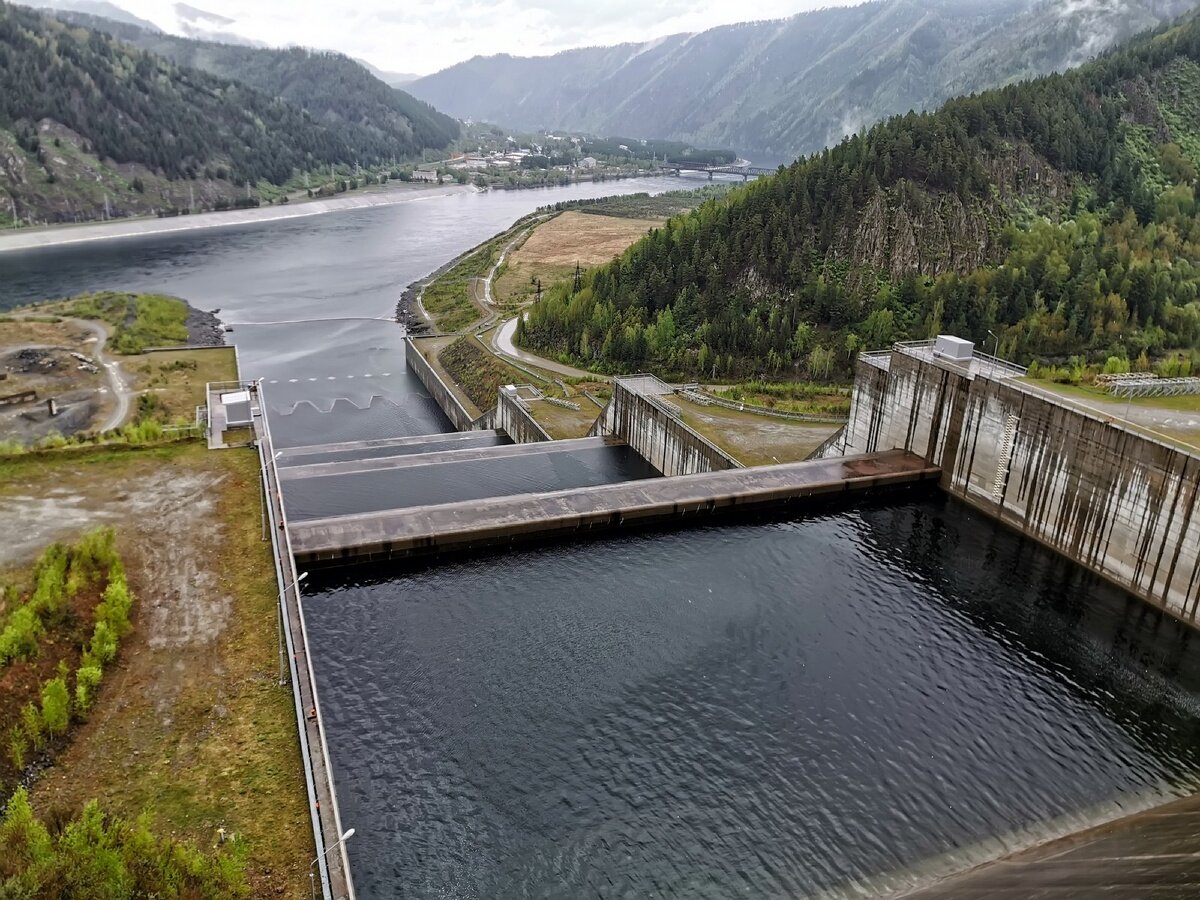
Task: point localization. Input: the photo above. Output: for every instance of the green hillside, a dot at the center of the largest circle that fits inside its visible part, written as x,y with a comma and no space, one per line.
1059,212
378,122
92,127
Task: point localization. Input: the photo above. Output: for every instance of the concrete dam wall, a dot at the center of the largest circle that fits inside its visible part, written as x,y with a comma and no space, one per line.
640,415
516,421
441,393
1115,500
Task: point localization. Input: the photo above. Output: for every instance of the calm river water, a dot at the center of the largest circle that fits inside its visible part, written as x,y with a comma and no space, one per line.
766,709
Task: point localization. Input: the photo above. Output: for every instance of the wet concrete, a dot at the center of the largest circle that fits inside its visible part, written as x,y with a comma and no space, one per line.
1155,854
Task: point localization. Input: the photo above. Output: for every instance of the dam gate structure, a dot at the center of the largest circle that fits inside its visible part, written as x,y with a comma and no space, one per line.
1115,499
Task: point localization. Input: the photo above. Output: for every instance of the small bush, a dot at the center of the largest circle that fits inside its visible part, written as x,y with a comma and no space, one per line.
31,722
87,680
18,744
56,706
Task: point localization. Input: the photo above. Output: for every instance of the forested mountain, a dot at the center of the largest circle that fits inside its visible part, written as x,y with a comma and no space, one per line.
376,120
1059,212
91,126
780,89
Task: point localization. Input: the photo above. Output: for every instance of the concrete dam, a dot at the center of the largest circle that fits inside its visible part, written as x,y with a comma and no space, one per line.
1116,500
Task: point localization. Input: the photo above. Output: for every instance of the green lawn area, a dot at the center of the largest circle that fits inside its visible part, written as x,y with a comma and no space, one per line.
138,320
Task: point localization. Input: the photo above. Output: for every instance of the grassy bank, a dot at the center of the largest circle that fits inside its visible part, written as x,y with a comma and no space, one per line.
452,298
190,725
477,372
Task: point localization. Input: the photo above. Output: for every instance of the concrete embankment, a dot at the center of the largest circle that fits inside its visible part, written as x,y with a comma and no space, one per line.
516,421
445,397
1117,501
395,534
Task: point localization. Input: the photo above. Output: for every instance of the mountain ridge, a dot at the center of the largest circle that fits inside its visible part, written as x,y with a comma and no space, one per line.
784,88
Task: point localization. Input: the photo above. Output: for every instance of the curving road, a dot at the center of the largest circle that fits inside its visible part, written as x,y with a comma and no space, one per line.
116,382
502,342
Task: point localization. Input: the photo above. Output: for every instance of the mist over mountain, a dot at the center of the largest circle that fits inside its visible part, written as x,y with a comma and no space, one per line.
784,88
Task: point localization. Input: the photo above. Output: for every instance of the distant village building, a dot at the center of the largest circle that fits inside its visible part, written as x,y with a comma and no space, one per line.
588,162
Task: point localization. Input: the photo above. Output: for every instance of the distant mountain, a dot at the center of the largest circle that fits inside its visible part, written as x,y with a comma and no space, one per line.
90,126
97,8
788,87
1059,214
377,121
395,79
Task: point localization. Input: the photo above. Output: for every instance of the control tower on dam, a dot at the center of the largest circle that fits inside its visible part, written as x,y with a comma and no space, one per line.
1117,499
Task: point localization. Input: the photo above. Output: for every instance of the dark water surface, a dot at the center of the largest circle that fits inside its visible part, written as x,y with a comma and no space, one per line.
753,710
533,471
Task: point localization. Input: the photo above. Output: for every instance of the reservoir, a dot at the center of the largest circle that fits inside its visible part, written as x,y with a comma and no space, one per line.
823,706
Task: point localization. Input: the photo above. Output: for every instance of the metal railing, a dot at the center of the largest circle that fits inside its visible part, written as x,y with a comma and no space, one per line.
289,581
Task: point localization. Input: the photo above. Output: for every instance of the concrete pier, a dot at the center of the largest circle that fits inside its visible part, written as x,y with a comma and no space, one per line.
642,414
396,534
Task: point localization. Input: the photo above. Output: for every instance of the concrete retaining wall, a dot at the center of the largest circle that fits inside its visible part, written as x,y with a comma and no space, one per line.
516,421
446,399
664,441
1114,500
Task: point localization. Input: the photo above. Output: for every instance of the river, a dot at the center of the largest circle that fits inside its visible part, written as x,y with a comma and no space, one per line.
777,708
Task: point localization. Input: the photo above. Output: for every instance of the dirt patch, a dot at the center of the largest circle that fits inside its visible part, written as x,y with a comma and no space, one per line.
191,724
53,360
554,248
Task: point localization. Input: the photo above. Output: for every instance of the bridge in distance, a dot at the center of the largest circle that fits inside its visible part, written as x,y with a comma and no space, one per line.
745,171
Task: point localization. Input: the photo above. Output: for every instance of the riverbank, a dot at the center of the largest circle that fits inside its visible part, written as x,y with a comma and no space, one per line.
54,236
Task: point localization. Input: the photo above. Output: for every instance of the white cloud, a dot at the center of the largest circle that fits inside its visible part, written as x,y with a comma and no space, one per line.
423,36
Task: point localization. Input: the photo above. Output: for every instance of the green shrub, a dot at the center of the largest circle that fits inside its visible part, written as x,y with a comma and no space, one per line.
19,639
56,705
87,679
103,646
31,722
18,743
101,856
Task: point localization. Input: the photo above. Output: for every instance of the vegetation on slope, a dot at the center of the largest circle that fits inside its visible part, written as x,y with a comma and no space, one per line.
376,121
477,372
91,126
1060,213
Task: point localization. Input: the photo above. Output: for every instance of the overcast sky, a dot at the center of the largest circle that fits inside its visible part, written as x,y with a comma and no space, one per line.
422,36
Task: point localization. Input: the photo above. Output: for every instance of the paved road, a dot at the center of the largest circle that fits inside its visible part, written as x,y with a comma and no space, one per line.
116,381
502,342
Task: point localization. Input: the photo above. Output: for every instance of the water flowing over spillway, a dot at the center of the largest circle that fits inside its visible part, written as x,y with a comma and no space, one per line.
774,708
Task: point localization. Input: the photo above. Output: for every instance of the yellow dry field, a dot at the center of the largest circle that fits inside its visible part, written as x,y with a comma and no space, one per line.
553,249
